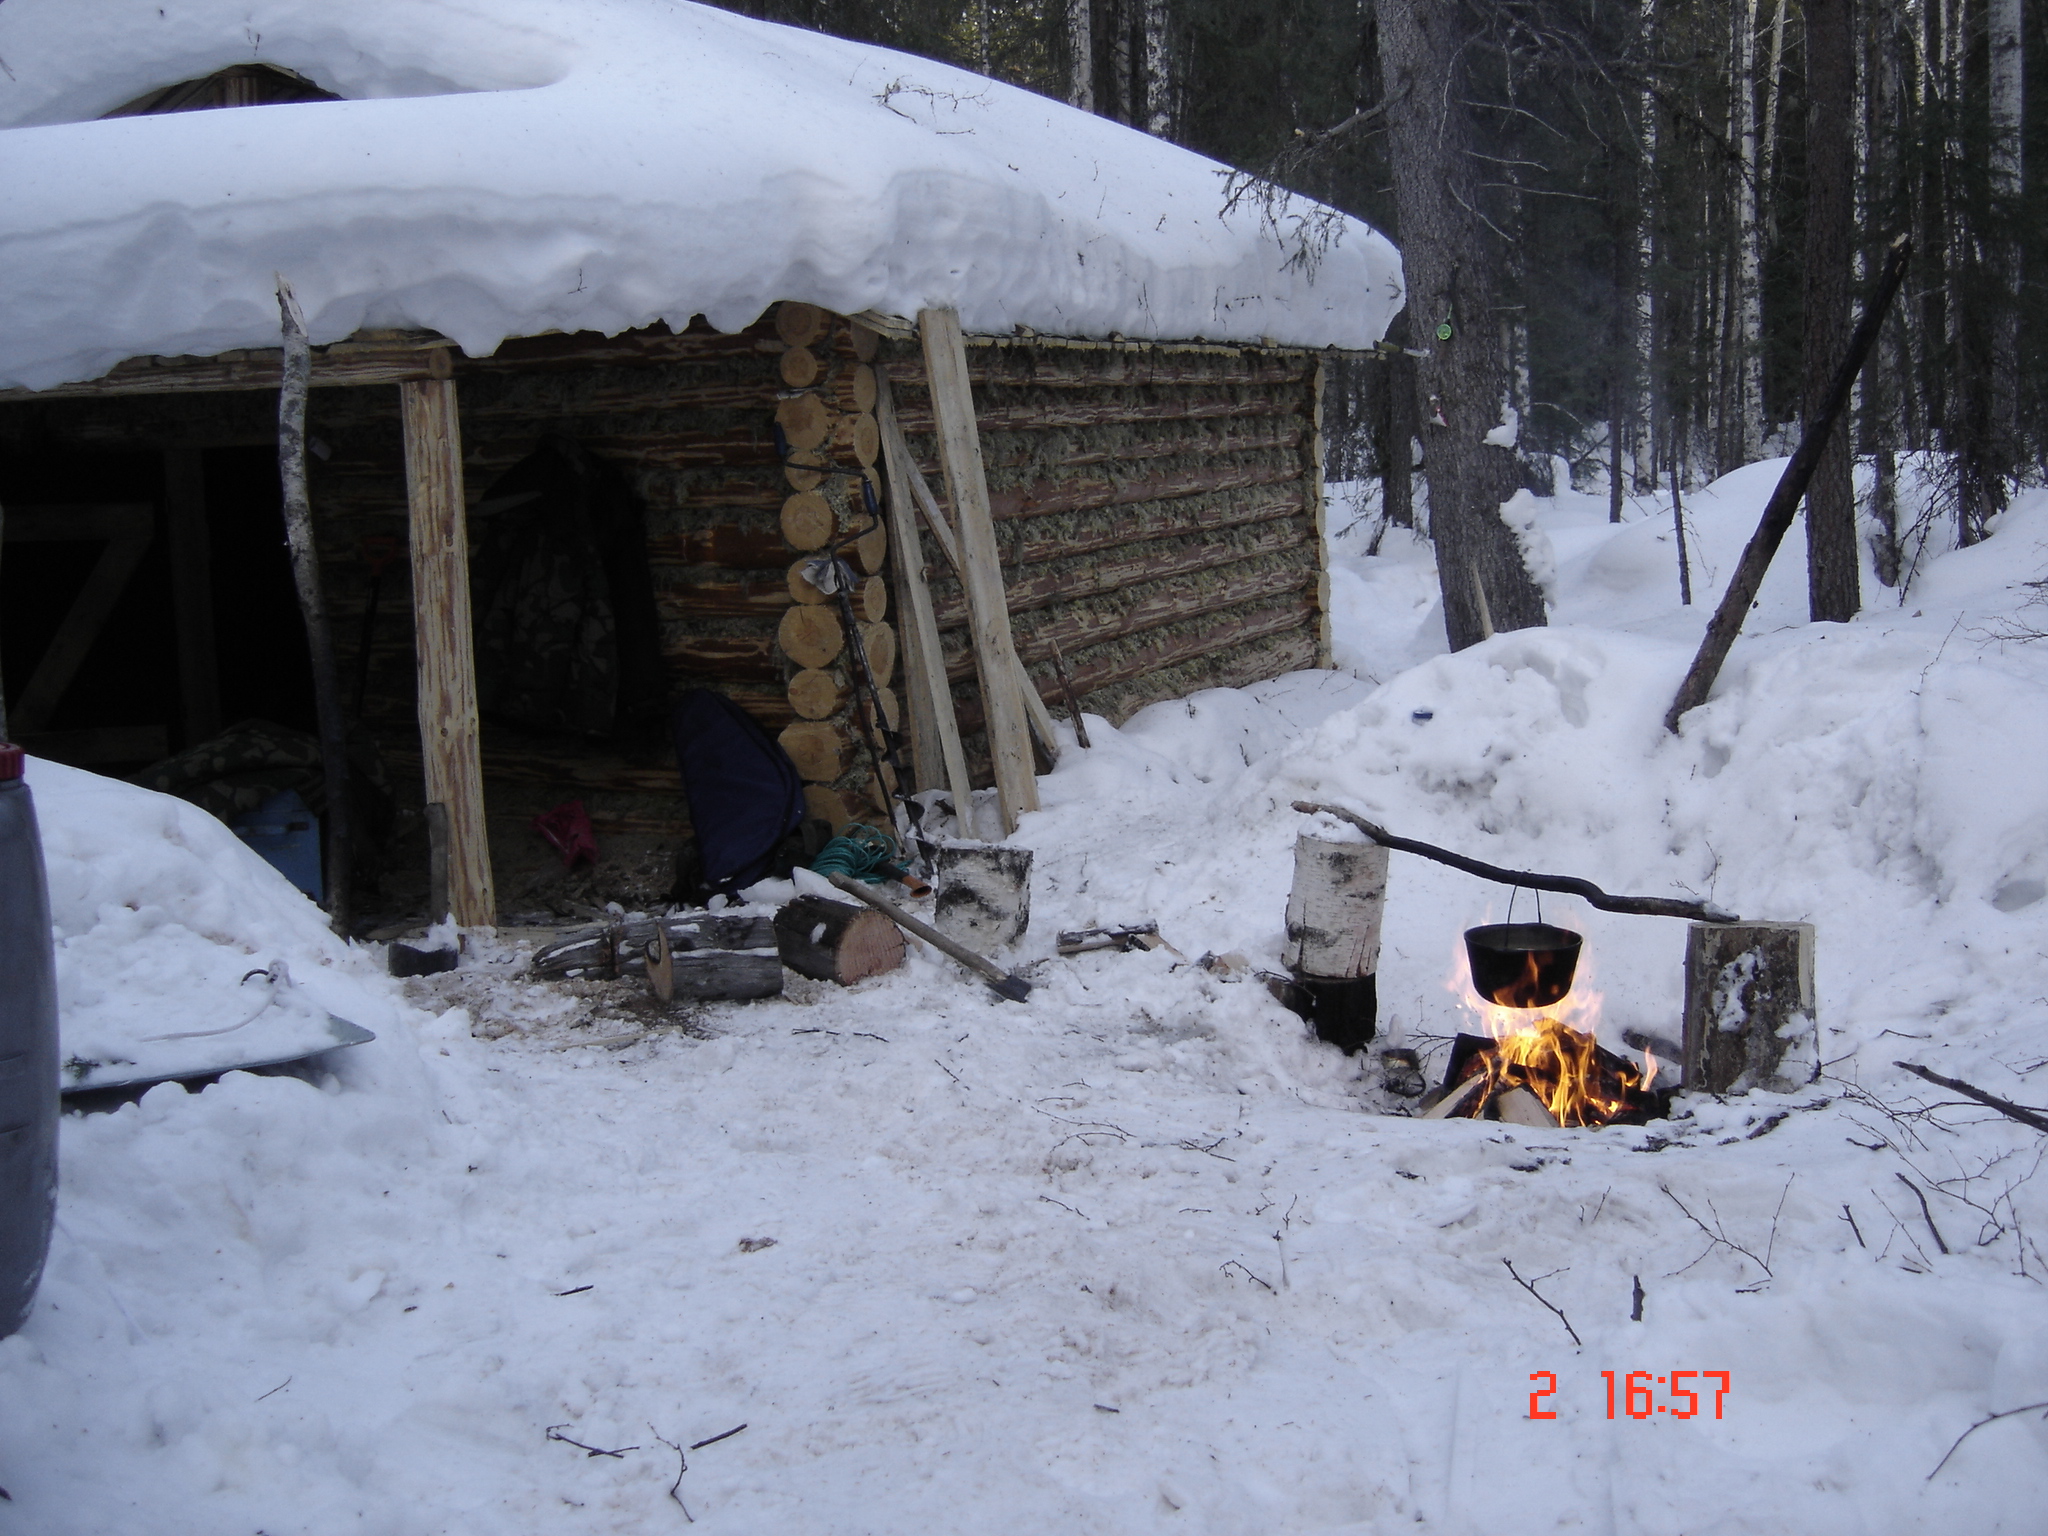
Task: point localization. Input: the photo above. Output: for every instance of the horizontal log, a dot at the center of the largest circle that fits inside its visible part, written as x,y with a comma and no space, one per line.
724,544
1040,586
997,416
714,657
1226,630
1075,628
1026,543
1080,494
1072,368
389,357
722,596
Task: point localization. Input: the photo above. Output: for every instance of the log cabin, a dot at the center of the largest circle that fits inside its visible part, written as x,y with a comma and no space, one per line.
1012,362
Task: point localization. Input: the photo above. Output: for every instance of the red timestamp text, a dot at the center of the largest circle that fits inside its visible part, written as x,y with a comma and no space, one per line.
1635,1394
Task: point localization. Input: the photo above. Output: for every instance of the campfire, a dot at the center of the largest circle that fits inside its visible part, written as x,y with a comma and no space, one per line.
1536,1059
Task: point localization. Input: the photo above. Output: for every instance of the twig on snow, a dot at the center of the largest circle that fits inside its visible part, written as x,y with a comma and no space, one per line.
1850,1217
1925,1214
1991,1418
1048,1199
1225,1268
276,1389
2006,1107
716,1438
682,1466
1717,1236
1530,1287
554,1433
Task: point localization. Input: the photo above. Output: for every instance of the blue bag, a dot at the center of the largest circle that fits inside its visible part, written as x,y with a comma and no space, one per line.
745,795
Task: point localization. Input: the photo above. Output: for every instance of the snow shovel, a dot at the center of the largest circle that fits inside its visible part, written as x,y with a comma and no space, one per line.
1014,987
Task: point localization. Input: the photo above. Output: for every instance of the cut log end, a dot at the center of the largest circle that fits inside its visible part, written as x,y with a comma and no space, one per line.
836,941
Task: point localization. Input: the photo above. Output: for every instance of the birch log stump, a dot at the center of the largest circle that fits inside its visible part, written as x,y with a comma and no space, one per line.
984,896
450,739
1749,1017
1333,938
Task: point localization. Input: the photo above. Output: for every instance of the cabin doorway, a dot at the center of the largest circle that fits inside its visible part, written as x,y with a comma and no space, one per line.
146,600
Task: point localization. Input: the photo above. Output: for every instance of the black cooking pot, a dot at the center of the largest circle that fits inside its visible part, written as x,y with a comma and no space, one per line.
1522,965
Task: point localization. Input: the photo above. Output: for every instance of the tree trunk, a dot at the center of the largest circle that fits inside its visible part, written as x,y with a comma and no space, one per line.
1451,262
1081,55
1397,452
1644,412
1833,586
2008,85
1749,327
1158,59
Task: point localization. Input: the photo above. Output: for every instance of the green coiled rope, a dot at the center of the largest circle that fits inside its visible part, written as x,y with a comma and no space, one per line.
860,852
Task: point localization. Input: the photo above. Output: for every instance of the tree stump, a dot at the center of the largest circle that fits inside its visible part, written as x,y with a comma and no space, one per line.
836,941
1749,1016
1333,938
984,897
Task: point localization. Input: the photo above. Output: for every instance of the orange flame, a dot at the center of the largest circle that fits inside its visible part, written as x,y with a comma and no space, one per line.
1552,1052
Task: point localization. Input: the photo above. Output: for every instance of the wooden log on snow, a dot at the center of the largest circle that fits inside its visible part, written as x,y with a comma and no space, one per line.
984,899
1335,907
1749,1010
608,950
836,941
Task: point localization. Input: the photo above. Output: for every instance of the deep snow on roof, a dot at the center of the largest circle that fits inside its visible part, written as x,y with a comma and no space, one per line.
561,165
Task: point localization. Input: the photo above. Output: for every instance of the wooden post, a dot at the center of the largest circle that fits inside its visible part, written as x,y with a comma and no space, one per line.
1312,465
1333,938
981,572
296,381
1749,1018
450,741
933,723
192,591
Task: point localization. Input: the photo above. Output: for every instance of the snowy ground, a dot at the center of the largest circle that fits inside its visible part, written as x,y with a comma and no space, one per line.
1137,1256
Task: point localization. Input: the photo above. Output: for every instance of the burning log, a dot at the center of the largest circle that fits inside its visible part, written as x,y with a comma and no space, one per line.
1542,1072
1749,1019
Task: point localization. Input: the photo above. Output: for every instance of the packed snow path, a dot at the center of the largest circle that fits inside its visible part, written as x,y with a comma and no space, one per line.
1137,1256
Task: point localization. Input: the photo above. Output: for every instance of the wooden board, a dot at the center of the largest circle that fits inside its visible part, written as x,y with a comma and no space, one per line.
981,572
449,735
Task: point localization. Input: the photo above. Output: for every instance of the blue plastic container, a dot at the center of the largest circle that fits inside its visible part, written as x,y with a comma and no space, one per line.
288,837
28,1050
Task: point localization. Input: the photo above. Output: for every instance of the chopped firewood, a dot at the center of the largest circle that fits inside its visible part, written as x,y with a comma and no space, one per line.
836,941
620,948
1129,936
1459,1101
1518,1106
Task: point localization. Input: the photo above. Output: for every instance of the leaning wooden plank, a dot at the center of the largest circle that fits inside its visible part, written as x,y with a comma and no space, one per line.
450,740
981,571
1035,711
932,694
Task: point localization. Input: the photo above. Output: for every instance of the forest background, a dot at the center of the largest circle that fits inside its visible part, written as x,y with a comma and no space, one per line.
1662,212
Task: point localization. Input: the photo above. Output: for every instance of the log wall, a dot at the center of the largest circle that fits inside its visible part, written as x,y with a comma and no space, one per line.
1157,510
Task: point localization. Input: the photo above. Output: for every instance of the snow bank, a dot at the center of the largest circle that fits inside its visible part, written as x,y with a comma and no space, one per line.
594,165
161,915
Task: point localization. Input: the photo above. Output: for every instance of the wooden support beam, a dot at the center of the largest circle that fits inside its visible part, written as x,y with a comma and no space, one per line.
449,737
192,591
1312,472
934,729
981,572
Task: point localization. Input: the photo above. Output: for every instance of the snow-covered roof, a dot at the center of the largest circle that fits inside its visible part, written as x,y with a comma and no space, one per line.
510,167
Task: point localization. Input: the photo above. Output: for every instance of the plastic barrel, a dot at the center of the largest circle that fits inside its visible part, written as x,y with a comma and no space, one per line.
28,1050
